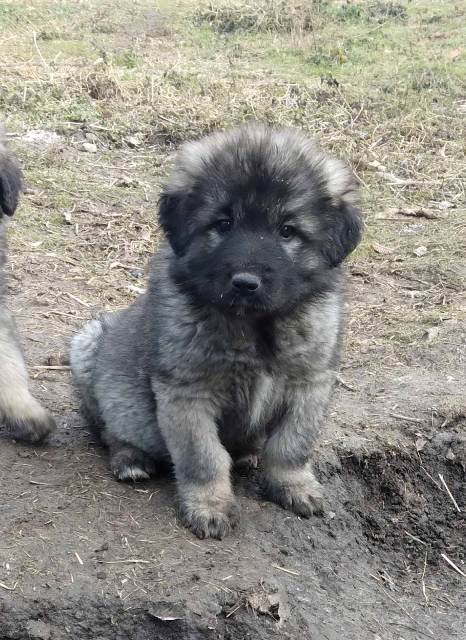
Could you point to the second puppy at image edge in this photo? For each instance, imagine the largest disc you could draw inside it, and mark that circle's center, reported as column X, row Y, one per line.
column 232, row 352
column 24, row 417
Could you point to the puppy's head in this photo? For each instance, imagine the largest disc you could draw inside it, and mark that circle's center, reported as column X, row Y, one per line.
column 258, row 219
column 10, row 180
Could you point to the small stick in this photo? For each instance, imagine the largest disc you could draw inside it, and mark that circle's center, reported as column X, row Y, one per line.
column 410, row 535
column 76, row 299
column 422, row 579
column 292, row 573
column 442, row 480
column 344, row 384
column 433, row 479
column 130, row 561
column 5, row 586
column 42, row 59
column 407, row 418
column 236, row 608
column 453, row 565
column 78, row 558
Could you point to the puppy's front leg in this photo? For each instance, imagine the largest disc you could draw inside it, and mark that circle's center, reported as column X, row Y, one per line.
column 288, row 476
column 202, row 464
column 25, row 418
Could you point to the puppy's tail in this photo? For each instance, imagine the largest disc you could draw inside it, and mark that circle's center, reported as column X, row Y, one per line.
column 83, row 355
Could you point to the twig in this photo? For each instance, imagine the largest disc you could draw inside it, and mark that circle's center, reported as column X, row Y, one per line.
column 407, row 418
column 442, row 480
column 292, row 573
column 78, row 558
column 344, row 384
column 5, row 586
column 42, row 59
column 410, row 535
column 235, row 608
column 129, row 561
column 76, row 299
column 432, row 478
column 422, row 579
column 453, row 565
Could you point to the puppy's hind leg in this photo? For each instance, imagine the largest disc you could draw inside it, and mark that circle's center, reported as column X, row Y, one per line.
column 24, row 417
column 128, row 462
column 83, row 354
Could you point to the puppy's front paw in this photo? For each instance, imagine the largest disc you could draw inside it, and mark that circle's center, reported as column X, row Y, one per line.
column 31, row 429
column 294, row 489
column 207, row 522
column 209, row 514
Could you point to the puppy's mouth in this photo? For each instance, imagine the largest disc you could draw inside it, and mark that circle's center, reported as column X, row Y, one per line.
column 240, row 305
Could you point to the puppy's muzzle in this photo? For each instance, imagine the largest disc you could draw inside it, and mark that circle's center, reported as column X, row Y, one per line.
column 246, row 284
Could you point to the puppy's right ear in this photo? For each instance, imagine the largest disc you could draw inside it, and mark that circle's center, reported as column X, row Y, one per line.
column 11, row 183
column 173, row 221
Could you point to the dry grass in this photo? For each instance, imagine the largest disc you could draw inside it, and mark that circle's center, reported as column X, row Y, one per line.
column 265, row 15
column 380, row 83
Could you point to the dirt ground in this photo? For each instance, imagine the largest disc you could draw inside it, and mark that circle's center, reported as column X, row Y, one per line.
column 85, row 557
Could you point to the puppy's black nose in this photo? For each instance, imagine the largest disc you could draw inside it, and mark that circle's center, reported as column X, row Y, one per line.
column 245, row 283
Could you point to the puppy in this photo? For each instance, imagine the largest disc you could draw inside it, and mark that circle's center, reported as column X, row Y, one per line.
column 232, row 350
column 19, row 411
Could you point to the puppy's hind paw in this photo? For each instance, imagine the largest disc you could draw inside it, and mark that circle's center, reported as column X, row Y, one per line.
column 247, row 463
column 129, row 464
column 128, row 473
column 211, row 522
column 31, row 429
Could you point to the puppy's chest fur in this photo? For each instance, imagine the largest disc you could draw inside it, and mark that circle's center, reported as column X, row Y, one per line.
column 243, row 366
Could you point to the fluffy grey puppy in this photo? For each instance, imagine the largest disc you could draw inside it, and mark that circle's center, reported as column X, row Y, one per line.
column 232, row 351
column 24, row 417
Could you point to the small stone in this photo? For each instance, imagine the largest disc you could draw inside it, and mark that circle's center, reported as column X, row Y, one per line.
column 420, row 251
column 420, row 444
column 133, row 142
column 89, row 147
column 137, row 273
column 38, row 630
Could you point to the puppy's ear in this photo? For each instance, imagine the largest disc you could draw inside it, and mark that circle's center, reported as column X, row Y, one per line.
column 343, row 233
column 173, row 222
column 343, row 223
column 10, row 183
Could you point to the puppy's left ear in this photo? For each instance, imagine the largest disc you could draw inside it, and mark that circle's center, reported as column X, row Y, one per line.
column 343, row 222
column 173, row 221
column 11, row 183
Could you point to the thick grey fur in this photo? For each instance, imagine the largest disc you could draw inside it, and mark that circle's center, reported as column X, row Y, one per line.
column 23, row 416
column 183, row 376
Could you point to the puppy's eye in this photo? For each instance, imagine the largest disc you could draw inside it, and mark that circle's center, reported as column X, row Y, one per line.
column 223, row 226
column 287, row 232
